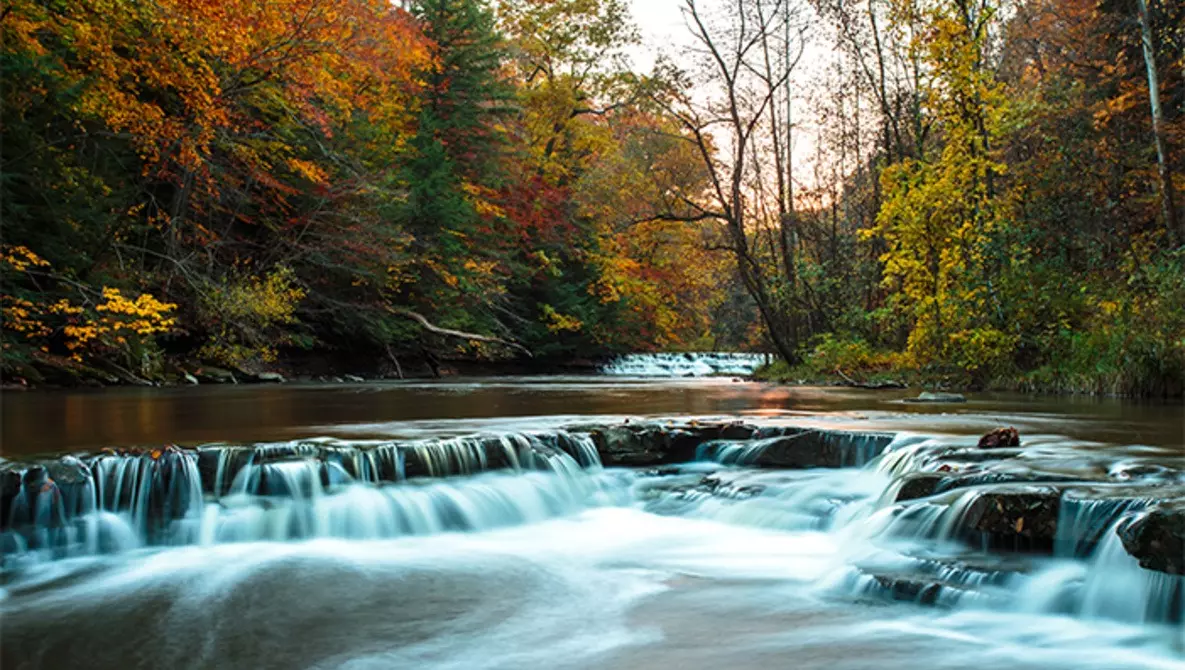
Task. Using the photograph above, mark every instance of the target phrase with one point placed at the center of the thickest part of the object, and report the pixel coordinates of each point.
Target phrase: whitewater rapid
(523, 550)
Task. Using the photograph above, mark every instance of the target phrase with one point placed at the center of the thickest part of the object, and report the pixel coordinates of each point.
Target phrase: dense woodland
(988, 196)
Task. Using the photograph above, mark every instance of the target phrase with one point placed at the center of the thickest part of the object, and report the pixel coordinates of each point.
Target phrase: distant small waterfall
(685, 365)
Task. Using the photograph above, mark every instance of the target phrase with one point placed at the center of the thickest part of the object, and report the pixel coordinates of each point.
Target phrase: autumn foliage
(226, 180)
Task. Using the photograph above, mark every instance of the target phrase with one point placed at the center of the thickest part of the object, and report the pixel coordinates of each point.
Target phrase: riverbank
(1170, 385)
(44, 371)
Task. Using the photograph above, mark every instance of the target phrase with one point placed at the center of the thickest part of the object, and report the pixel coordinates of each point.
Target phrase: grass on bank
(1085, 363)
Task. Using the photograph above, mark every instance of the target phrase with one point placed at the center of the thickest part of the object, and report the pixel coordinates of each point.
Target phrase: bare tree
(737, 131)
(1167, 199)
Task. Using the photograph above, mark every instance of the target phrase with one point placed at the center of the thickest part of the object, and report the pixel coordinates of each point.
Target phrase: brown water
(34, 422)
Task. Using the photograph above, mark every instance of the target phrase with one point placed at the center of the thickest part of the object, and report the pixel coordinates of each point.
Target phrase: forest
(979, 192)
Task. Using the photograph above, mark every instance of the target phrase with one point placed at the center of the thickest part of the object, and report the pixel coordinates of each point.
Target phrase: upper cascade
(701, 364)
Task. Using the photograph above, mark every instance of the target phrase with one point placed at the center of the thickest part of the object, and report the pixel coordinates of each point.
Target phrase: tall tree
(453, 166)
(747, 86)
(1164, 171)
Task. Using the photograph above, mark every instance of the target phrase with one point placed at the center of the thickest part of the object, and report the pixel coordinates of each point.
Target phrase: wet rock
(941, 581)
(1002, 474)
(914, 589)
(1156, 538)
(931, 396)
(1011, 518)
(919, 485)
(1000, 437)
(189, 379)
(353, 378)
(632, 446)
(270, 377)
(821, 449)
(652, 444)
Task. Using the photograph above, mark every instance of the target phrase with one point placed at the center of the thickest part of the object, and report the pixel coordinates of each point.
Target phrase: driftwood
(887, 384)
(448, 332)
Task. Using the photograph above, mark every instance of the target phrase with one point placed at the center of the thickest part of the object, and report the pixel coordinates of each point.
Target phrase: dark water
(65, 420)
(572, 568)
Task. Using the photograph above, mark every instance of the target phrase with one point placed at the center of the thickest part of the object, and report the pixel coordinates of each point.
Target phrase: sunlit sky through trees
(664, 33)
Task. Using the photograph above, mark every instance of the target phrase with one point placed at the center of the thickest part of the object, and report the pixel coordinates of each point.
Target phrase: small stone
(190, 379)
(353, 378)
(274, 377)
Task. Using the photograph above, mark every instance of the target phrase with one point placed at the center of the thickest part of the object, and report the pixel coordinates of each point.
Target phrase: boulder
(1156, 538)
(1000, 437)
(919, 485)
(1012, 518)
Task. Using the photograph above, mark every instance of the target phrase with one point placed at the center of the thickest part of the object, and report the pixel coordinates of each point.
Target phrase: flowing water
(472, 524)
(703, 364)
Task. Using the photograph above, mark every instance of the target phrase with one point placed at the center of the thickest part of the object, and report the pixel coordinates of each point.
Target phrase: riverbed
(526, 551)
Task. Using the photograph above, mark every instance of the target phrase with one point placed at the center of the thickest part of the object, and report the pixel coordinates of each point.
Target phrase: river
(399, 540)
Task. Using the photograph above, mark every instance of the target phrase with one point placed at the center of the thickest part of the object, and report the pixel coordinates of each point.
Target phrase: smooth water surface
(33, 422)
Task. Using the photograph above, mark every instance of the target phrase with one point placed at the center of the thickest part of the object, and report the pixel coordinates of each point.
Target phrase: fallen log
(449, 332)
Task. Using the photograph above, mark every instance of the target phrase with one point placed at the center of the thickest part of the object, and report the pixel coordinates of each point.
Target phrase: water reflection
(59, 420)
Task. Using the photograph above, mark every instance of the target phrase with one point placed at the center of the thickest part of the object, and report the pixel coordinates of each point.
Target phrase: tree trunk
(1167, 197)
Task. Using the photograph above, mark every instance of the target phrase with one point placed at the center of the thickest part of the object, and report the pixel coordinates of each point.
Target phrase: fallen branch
(448, 332)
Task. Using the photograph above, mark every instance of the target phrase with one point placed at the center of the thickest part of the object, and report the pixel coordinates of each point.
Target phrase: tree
(1164, 172)
(748, 81)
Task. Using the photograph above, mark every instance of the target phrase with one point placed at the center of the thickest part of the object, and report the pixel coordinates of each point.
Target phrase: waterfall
(1110, 585)
(362, 512)
(114, 501)
(797, 448)
(968, 538)
(1082, 522)
(684, 365)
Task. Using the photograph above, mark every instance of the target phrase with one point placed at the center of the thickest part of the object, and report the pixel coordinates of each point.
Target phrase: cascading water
(846, 508)
(111, 502)
(685, 365)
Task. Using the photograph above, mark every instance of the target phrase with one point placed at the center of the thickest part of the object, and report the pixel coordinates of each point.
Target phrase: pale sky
(662, 28)
(664, 31)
